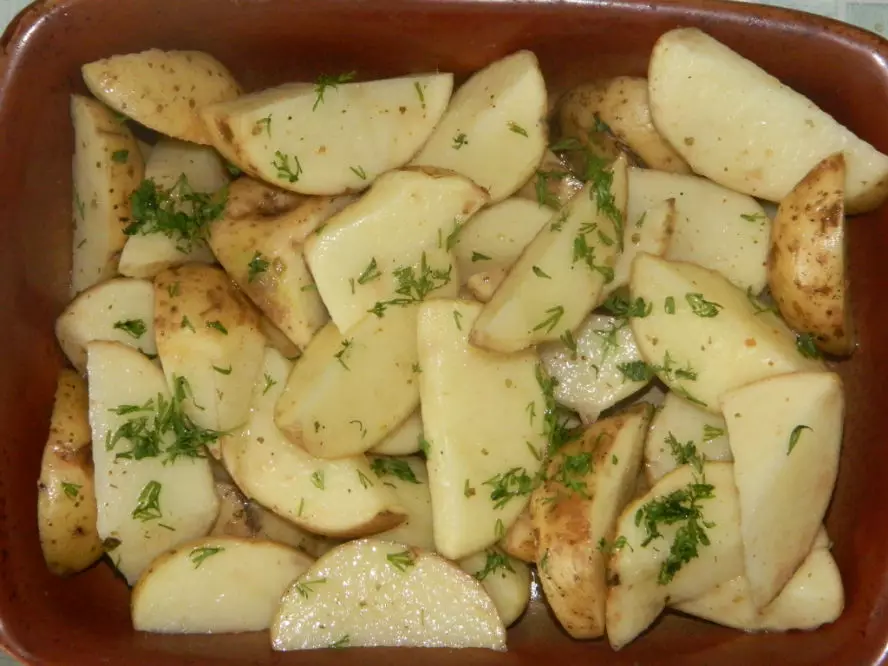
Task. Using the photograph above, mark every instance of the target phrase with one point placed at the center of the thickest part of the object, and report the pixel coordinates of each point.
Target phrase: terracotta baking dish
(85, 620)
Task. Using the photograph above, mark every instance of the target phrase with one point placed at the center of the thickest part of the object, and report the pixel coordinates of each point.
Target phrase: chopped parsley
(711, 432)
(346, 345)
(669, 305)
(135, 328)
(258, 265)
(412, 287)
(496, 560)
(317, 479)
(306, 587)
(401, 561)
(806, 346)
(120, 156)
(620, 306)
(370, 273)
(539, 272)
(281, 164)
(148, 507)
(72, 490)
(459, 141)
(794, 437)
(394, 467)
(326, 81)
(573, 471)
(544, 193)
(567, 339)
(701, 307)
(477, 256)
(516, 128)
(198, 555)
(508, 485)
(685, 453)
(223, 371)
(554, 316)
(359, 172)
(636, 371)
(217, 325)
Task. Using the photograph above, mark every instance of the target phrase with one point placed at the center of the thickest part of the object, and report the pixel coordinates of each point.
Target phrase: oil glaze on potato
(806, 267)
(738, 125)
(163, 90)
(66, 498)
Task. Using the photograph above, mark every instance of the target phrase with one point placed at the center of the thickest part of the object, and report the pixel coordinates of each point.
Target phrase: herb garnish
(620, 306)
(135, 328)
(317, 479)
(217, 325)
(258, 264)
(284, 171)
(370, 273)
(120, 156)
(794, 436)
(514, 483)
(477, 256)
(701, 307)
(263, 124)
(711, 432)
(496, 560)
(346, 344)
(413, 288)
(516, 128)
(459, 141)
(807, 348)
(305, 587)
(394, 466)
(198, 555)
(148, 507)
(72, 490)
(401, 561)
(636, 371)
(539, 272)
(326, 81)
(269, 382)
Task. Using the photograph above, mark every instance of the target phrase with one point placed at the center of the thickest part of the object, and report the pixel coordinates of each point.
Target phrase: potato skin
(806, 262)
(66, 500)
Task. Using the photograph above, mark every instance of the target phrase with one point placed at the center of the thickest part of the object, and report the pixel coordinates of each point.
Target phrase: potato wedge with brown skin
(520, 540)
(107, 166)
(66, 498)
(208, 333)
(806, 265)
(589, 482)
(618, 110)
(163, 90)
(553, 184)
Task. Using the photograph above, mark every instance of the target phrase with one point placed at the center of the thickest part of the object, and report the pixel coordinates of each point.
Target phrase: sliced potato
(329, 138)
(410, 481)
(599, 369)
(806, 265)
(560, 276)
(814, 596)
(271, 527)
(651, 233)
(276, 339)
(618, 108)
(119, 310)
(215, 585)
(553, 184)
(329, 497)
(494, 130)
(713, 226)
(259, 243)
(234, 519)
(145, 506)
(482, 286)
(645, 576)
(482, 413)
(738, 125)
(786, 436)
(209, 334)
(507, 581)
(589, 482)
(404, 440)
(520, 540)
(107, 166)
(347, 393)
(679, 422)
(66, 497)
(493, 240)
(163, 90)
(408, 221)
(178, 169)
(717, 339)
(377, 593)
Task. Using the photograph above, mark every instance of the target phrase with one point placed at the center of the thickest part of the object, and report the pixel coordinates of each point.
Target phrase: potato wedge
(332, 137)
(493, 240)
(507, 581)
(179, 170)
(163, 90)
(215, 585)
(149, 499)
(647, 571)
(677, 423)
(520, 540)
(618, 108)
(588, 484)
(271, 527)
(718, 337)
(408, 478)
(119, 310)
(713, 227)
(485, 444)
(259, 243)
(553, 184)
(329, 497)
(234, 519)
(482, 286)
(786, 436)
(738, 125)
(66, 497)
(814, 596)
(494, 130)
(375, 593)
(806, 265)
(596, 368)
(652, 233)
(560, 276)
(276, 339)
(385, 246)
(347, 393)
(404, 440)
(209, 334)
(107, 166)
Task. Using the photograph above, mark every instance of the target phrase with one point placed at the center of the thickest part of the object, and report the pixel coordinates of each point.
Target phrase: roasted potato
(404, 440)
(553, 184)
(520, 540)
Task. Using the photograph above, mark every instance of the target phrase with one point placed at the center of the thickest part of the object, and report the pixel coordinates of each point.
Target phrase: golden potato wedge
(409, 480)
(494, 130)
(331, 137)
(259, 241)
(520, 540)
(163, 90)
(375, 593)
(404, 440)
(587, 486)
(786, 437)
(336, 498)
(107, 166)
(806, 264)
(119, 310)
(66, 497)
(617, 108)
(738, 125)
(208, 333)
(215, 585)
(507, 581)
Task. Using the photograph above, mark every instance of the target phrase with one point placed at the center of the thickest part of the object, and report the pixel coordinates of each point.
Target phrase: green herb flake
(79, 206)
(499, 529)
(701, 307)
(457, 318)
(567, 339)
(326, 82)
(711, 432)
(148, 507)
(371, 272)
(174, 289)
(794, 437)
(544, 562)
(460, 140)
(198, 555)
(608, 548)
(685, 453)
(468, 491)
(135, 328)
(120, 156)
(420, 92)
(217, 325)
(263, 125)
(412, 287)
(509, 485)
(496, 560)
(516, 128)
(669, 305)
(341, 643)
(72, 490)
(258, 265)
(573, 472)
(340, 356)
(359, 172)
(754, 217)
(551, 321)
(305, 588)
(401, 561)
(540, 273)
(636, 371)
(223, 371)
(757, 305)
(620, 306)
(806, 346)
(317, 479)
(269, 382)
(396, 467)
(286, 172)
(364, 479)
(477, 256)
(186, 323)
(534, 451)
